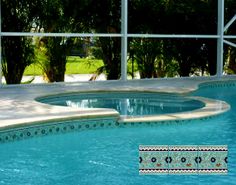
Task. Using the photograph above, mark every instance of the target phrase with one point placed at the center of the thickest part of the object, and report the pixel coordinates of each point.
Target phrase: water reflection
(132, 105)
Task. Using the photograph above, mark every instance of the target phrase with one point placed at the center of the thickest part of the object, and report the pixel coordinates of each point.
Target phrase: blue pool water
(131, 104)
(110, 156)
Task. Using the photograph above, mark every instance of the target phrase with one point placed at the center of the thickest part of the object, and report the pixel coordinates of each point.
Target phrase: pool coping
(18, 102)
(211, 108)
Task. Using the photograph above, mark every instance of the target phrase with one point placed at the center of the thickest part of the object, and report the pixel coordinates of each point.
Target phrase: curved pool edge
(68, 115)
(212, 108)
(17, 132)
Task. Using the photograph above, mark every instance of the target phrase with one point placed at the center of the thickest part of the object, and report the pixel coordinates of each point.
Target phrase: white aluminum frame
(124, 35)
(124, 40)
(220, 43)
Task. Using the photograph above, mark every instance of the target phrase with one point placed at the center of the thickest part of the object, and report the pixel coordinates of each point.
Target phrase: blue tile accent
(55, 128)
(184, 160)
(226, 84)
(50, 128)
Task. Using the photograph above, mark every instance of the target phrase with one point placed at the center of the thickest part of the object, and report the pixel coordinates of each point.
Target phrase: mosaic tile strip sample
(185, 159)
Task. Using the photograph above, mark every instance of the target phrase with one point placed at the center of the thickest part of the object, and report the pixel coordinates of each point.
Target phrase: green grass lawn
(75, 65)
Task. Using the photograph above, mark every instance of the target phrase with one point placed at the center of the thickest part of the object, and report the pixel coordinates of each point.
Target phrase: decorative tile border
(185, 160)
(50, 128)
(215, 84)
(43, 129)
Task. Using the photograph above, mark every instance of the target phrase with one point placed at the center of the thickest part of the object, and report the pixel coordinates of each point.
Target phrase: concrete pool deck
(18, 106)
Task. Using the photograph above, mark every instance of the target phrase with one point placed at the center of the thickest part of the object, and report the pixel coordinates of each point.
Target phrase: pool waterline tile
(41, 130)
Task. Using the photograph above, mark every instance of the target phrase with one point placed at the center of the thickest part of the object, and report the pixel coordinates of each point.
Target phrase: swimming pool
(110, 155)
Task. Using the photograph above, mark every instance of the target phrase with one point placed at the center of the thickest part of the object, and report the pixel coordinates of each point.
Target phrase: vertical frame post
(124, 39)
(220, 40)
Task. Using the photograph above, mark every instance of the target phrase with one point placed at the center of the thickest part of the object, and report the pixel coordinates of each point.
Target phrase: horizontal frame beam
(230, 36)
(184, 36)
(32, 34)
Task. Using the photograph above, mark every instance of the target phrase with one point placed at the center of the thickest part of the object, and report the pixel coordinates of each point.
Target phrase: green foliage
(17, 54)
(53, 19)
(101, 16)
(150, 57)
(145, 52)
(176, 57)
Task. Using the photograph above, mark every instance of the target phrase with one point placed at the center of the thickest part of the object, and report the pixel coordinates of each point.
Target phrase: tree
(56, 51)
(53, 19)
(146, 52)
(155, 57)
(177, 17)
(193, 17)
(102, 16)
(105, 18)
(17, 52)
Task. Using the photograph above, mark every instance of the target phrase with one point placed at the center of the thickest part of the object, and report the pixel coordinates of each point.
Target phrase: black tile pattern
(229, 83)
(54, 128)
